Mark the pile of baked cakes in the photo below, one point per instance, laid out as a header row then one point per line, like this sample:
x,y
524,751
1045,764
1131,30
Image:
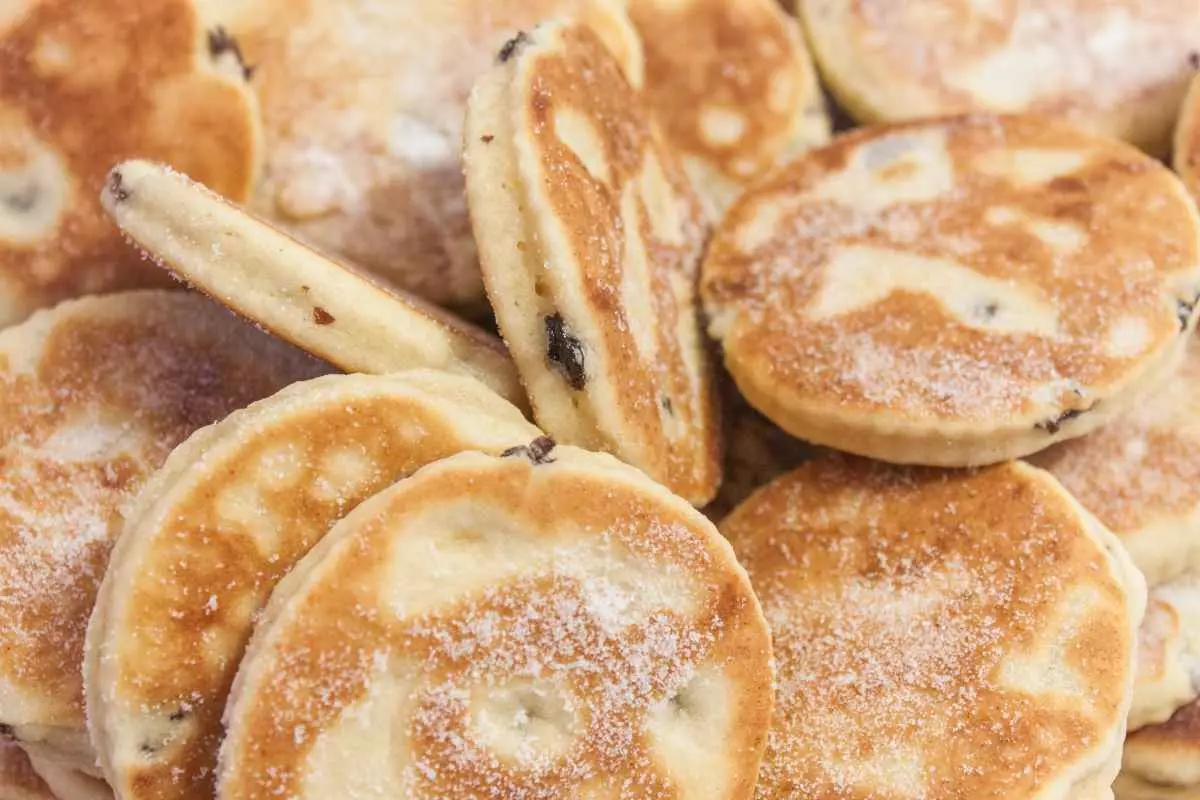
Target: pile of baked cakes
x,y
599,399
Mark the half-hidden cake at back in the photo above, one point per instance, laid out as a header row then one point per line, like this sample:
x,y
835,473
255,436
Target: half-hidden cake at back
x,y
1187,140
82,86
733,87
327,308
939,634
756,452
1116,67
955,292
1140,476
362,108
66,783
590,238
18,781
1162,762
94,394
546,624
229,514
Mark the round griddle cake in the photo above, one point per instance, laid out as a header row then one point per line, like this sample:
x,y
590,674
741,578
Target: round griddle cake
x,y
955,292
1117,67
546,625
733,87
1162,762
230,513
590,238
327,308
94,394
1187,140
1168,675
18,781
939,634
363,107
1140,475
83,85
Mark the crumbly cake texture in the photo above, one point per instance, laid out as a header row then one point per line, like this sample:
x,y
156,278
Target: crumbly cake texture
x,y
84,85
231,512
546,624
939,634
590,239
94,394
957,291
1118,68
362,107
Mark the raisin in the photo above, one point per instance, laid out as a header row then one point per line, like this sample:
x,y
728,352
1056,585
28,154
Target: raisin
x,y
512,46
565,352
538,451
322,317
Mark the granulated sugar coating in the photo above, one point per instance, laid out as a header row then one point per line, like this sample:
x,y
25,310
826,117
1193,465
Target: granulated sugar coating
x,y
954,292
507,628
93,396
231,512
938,634
1141,475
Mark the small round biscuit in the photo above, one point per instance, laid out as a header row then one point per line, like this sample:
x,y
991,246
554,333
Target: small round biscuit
x,y
328,308
1187,139
229,514
551,624
939,635
1140,475
83,85
955,292
1162,762
590,237
733,87
363,107
94,394
1115,67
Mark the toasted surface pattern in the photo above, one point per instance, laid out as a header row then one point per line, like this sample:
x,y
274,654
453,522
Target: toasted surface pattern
x,y
590,238
1162,762
733,86
939,634
82,86
546,625
362,106
1117,67
1187,140
327,308
229,514
1141,475
18,781
955,291
94,394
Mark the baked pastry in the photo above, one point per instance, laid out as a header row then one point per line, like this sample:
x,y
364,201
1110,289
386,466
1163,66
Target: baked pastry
x,y
328,308
546,624
955,292
83,85
229,514
1117,68
363,107
94,394
590,238
939,634
733,87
